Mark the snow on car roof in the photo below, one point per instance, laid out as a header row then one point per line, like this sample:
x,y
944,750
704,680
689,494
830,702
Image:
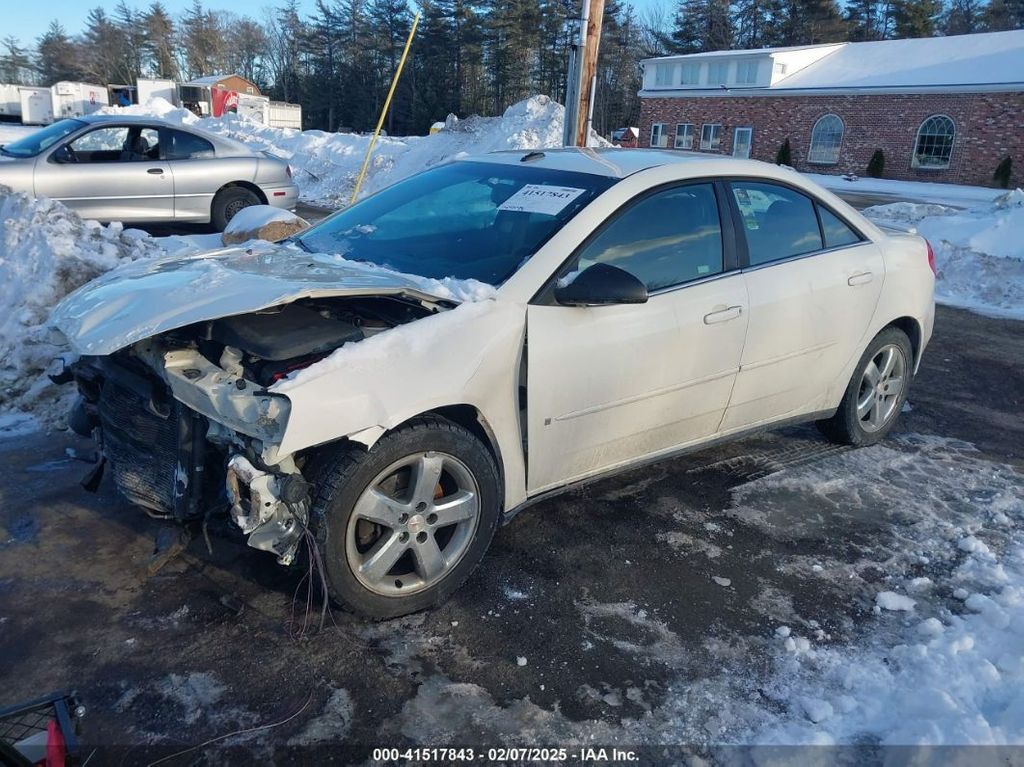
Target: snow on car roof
x,y
609,161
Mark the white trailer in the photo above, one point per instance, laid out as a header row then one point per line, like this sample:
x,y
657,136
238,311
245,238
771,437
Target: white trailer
x,y
148,89
10,102
36,106
77,99
255,108
284,115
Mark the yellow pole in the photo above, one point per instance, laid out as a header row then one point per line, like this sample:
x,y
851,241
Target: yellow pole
x,y
384,111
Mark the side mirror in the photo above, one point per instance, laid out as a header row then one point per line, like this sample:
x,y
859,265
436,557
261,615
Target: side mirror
x,y
602,285
62,155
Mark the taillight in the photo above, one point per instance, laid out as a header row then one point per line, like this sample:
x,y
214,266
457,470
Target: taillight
x,y
931,258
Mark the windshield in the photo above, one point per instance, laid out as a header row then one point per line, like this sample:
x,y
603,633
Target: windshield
x,y
467,220
34,143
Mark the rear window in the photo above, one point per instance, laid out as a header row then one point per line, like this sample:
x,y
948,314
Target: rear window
x,y
778,221
187,146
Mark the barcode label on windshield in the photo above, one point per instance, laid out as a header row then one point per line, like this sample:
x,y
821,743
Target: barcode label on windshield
x,y
537,198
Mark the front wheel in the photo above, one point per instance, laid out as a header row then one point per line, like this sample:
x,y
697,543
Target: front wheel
x,y
876,393
402,526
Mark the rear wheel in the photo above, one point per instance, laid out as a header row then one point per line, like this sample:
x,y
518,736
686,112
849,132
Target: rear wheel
x,y
402,526
876,393
228,202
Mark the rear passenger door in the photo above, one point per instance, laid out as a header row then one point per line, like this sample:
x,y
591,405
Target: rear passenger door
x,y
813,283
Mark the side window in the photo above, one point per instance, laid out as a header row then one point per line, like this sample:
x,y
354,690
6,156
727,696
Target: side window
x,y
187,146
666,239
145,145
778,222
101,145
837,233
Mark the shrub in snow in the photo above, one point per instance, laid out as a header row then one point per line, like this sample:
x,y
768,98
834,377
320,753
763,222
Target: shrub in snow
x,y
46,251
1004,171
785,154
876,165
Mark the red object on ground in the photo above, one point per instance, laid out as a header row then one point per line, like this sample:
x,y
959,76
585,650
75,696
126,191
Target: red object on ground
x,y
56,749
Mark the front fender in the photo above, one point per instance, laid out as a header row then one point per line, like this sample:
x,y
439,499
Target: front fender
x,y
468,355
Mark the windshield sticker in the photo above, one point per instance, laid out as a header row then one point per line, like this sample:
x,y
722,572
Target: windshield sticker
x,y
538,198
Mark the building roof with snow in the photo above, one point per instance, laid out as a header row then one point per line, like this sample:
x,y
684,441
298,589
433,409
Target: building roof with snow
x,y
992,61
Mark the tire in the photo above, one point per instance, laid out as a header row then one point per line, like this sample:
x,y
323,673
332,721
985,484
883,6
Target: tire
x,y
228,202
851,425
379,532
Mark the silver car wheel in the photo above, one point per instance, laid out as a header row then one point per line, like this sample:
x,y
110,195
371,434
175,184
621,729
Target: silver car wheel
x,y
412,524
881,387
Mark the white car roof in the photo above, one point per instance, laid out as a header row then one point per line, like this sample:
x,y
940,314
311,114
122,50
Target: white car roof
x,y
615,162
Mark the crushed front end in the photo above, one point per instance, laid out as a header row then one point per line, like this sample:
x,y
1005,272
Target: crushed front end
x,y
187,425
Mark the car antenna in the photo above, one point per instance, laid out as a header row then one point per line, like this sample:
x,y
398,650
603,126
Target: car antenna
x,y
531,156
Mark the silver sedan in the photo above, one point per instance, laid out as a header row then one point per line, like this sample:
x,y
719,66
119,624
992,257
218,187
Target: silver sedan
x,y
135,169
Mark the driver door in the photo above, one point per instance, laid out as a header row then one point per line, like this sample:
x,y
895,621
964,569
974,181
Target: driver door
x,y
113,173
611,385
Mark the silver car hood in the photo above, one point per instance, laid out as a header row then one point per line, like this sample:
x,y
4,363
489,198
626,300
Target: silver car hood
x,y
147,297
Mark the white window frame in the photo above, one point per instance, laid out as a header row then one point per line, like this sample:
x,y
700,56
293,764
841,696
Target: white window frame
x,y
750,140
718,66
687,134
915,162
819,152
662,132
746,72
693,69
713,142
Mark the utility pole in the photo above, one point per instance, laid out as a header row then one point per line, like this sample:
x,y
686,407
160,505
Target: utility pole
x,y
588,74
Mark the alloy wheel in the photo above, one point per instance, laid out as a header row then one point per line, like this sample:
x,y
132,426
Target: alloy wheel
x,y
881,387
412,524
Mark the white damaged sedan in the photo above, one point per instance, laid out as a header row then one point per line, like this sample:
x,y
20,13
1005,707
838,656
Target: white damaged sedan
x,y
394,382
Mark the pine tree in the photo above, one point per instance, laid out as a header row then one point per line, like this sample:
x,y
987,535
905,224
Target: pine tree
x,y
864,20
58,57
158,48
915,18
103,50
962,17
702,25
15,65
132,28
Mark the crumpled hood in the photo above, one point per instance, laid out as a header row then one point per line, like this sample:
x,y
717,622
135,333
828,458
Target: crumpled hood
x,y
148,297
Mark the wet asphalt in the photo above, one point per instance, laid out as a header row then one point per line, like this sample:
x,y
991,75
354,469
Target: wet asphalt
x,y
607,594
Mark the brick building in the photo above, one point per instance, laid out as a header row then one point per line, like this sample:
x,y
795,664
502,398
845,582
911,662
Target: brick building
x,y
943,109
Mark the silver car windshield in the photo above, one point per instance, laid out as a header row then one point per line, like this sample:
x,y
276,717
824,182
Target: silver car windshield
x,y
468,220
42,139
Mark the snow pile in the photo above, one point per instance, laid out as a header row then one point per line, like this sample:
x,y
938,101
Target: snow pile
x,y
325,165
979,252
46,251
919,191
155,107
943,668
256,216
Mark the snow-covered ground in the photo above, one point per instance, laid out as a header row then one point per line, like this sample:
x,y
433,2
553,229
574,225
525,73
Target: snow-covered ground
x,y
979,251
918,191
12,132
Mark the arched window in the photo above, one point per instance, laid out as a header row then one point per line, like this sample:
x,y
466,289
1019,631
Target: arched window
x,y
934,144
826,138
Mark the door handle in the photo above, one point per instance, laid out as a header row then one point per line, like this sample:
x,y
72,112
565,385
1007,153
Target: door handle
x,y
156,171
861,278
723,315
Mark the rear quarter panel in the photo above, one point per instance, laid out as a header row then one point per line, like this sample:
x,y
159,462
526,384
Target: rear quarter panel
x,y
197,181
